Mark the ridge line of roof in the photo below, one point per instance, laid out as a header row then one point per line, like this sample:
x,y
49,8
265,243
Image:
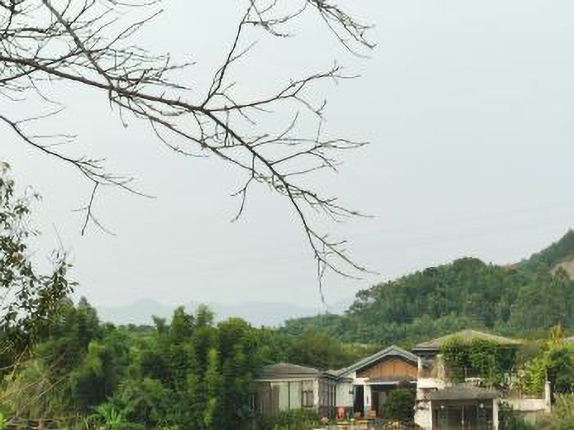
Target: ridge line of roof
x,y
377,356
436,343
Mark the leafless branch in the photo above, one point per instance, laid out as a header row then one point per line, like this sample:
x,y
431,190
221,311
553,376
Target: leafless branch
x,y
94,49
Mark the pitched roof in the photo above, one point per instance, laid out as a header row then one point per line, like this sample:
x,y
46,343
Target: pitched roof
x,y
387,352
288,371
466,336
463,392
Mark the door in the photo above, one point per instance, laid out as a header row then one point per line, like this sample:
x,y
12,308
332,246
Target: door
x,y
463,417
359,404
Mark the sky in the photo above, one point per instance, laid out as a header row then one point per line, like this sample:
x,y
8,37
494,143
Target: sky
x,y
468,107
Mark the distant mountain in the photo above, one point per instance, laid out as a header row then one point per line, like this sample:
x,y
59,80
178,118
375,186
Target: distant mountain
x,y
257,313
139,312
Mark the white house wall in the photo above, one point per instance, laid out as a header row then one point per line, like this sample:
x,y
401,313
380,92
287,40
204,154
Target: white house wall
x,y
290,392
423,411
345,398
283,395
295,400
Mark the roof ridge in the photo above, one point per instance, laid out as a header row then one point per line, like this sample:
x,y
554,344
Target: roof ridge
x,y
377,356
468,333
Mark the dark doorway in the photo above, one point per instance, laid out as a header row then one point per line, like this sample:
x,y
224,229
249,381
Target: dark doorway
x,y
463,416
359,404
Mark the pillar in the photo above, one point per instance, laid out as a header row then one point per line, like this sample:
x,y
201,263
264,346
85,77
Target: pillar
x,y
495,414
548,396
366,399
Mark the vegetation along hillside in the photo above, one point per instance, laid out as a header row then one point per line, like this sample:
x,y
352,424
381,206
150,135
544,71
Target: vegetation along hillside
x,y
524,299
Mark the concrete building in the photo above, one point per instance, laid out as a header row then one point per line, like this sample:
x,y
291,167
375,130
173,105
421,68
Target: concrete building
x,y
444,405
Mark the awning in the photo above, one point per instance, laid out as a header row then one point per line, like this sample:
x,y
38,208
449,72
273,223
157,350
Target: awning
x,y
463,393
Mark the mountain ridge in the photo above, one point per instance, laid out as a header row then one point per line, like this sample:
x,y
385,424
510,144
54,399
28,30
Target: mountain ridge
x,y
525,300
269,314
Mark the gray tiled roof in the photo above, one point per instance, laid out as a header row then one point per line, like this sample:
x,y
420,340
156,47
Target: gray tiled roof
x,y
463,392
288,371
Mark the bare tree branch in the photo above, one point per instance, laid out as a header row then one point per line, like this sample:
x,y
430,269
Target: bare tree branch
x,y
94,49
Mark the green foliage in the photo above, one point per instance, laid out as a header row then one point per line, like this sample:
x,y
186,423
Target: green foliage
x,y
189,373
562,416
511,420
533,376
109,417
302,419
185,373
318,350
400,405
30,298
555,363
554,254
32,393
479,359
560,369
523,300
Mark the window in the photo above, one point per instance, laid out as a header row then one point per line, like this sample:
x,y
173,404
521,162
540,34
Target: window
x,y
307,398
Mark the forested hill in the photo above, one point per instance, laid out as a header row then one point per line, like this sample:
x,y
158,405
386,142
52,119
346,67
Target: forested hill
x,y
523,299
558,254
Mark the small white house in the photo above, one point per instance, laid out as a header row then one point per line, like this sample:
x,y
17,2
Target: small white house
x,y
363,387
285,386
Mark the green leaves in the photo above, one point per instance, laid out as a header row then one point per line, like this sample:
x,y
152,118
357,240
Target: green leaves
x,y
32,298
400,405
479,359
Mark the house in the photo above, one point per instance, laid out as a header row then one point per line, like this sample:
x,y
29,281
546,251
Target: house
x,y
444,405
364,386
285,386
362,389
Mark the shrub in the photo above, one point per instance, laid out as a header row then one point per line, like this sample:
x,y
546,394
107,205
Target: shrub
x,y
400,405
300,419
511,420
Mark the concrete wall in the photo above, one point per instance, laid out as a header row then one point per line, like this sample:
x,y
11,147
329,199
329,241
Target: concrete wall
x,y
423,414
423,410
283,395
530,409
289,394
345,398
295,395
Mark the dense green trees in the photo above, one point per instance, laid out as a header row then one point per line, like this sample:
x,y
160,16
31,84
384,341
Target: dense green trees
x,y
525,300
186,373
58,360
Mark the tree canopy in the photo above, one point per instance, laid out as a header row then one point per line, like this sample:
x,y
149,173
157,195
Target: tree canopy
x,y
524,299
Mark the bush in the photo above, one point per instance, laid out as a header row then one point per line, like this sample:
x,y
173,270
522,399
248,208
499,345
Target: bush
x,y
562,417
301,419
511,420
400,405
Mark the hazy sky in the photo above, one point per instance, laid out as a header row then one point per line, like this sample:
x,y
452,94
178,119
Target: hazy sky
x,y
469,107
